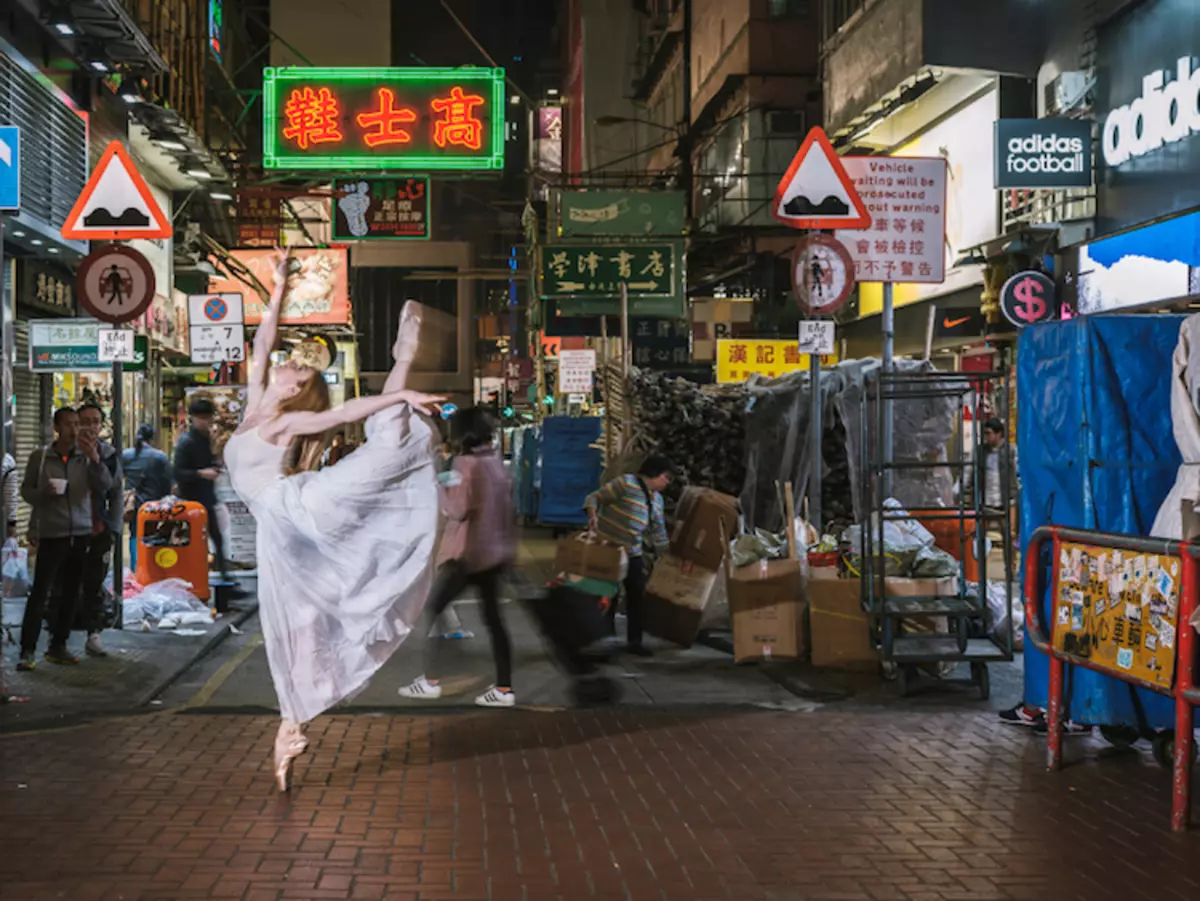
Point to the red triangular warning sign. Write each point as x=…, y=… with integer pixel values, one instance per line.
x=116, y=203
x=816, y=192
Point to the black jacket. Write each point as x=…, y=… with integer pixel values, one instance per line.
x=194, y=453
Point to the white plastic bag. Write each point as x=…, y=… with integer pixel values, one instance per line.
x=169, y=604
x=16, y=569
x=997, y=614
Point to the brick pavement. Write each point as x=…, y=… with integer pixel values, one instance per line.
x=834, y=805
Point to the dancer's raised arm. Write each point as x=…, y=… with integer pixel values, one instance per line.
x=291, y=425
x=267, y=333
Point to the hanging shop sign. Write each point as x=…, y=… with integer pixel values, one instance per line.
x=115, y=284
x=1043, y=153
x=518, y=375
x=259, y=217
x=45, y=287
x=1029, y=298
x=317, y=288
x=960, y=323
x=388, y=208
x=216, y=323
x=1119, y=609
x=575, y=371
x=586, y=279
x=73, y=345
x=1165, y=113
x=622, y=214
x=907, y=199
x=822, y=274
x=739, y=359
x=116, y=203
x=406, y=119
x=660, y=344
x=816, y=191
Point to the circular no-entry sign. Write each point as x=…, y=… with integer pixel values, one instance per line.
x=822, y=274
x=115, y=284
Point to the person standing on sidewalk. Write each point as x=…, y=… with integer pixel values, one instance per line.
x=147, y=479
x=478, y=547
x=60, y=480
x=196, y=472
x=107, y=520
x=629, y=511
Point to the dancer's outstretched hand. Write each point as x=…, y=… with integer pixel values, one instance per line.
x=426, y=403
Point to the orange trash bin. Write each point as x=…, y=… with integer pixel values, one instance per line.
x=172, y=539
x=946, y=538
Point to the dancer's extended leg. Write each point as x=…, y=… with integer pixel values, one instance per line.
x=404, y=351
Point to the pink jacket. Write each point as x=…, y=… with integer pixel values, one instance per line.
x=477, y=502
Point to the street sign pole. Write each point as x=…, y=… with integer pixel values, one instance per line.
x=889, y=338
x=118, y=425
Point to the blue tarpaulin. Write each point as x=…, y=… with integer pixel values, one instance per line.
x=571, y=469
x=1096, y=451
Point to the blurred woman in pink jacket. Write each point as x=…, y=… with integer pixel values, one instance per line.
x=478, y=546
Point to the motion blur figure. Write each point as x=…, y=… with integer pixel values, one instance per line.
x=478, y=547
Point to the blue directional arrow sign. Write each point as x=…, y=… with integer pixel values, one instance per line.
x=10, y=167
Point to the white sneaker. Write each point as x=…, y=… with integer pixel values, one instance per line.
x=92, y=646
x=421, y=690
x=494, y=697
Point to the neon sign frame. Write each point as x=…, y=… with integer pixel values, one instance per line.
x=486, y=82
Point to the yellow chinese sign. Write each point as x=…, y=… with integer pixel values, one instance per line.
x=1120, y=609
x=738, y=359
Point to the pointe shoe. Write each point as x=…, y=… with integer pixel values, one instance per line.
x=290, y=743
x=408, y=333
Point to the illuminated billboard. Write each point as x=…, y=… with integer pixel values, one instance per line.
x=411, y=119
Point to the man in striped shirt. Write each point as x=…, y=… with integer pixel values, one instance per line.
x=629, y=511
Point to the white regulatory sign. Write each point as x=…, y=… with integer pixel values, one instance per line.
x=218, y=343
x=115, y=345
x=816, y=337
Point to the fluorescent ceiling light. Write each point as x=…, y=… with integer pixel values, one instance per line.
x=220, y=195
x=198, y=173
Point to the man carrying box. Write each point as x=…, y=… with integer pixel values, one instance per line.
x=628, y=511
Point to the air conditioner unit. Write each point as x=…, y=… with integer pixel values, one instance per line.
x=1065, y=92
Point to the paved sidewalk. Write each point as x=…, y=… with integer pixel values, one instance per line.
x=635, y=805
x=139, y=665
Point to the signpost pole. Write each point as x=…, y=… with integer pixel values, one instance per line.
x=625, y=340
x=118, y=425
x=814, y=443
x=889, y=338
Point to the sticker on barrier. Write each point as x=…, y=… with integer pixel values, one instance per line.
x=1119, y=609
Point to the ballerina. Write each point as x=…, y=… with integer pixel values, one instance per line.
x=345, y=553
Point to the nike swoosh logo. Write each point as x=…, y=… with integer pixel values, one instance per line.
x=951, y=323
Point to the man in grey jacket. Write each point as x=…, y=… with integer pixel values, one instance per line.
x=60, y=480
x=108, y=513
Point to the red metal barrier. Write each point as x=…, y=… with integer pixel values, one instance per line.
x=1183, y=689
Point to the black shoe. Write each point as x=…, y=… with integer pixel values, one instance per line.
x=640, y=650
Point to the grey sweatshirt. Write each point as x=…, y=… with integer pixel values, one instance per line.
x=68, y=515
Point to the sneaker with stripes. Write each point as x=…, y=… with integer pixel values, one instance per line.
x=421, y=690
x=497, y=697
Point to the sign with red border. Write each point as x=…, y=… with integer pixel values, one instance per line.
x=822, y=274
x=816, y=192
x=116, y=203
x=115, y=284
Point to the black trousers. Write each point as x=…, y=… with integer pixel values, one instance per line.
x=214, y=532
x=95, y=567
x=635, y=601
x=452, y=580
x=60, y=561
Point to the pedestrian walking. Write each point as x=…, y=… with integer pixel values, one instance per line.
x=345, y=553
x=107, y=521
x=147, y=479
x=478, y=547
x=60, y=480
x=628, y=511
x=197, y=470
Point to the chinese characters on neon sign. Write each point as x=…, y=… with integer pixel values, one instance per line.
x=404, y=119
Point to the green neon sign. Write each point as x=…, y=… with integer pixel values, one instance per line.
x=401, y=119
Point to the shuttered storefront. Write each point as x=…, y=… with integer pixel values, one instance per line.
x=30, y=424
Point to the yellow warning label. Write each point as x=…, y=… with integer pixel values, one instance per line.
x=166, y=557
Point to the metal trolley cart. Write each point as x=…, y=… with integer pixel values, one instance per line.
x=1120, y=606
x=948, y=627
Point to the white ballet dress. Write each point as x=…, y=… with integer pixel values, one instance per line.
x=345, y=556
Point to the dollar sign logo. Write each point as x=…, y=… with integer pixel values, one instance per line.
x=1030, y=307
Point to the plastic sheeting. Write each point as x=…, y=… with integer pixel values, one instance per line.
x=1097, y=452
x=570, y=469
x=777, y=450
x=526, y=451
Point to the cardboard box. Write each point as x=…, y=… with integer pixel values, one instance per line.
x=766, y=604
x=677, y=602
x=841, y=633
x=896, y=587
x=586, y=555
x=705, y=522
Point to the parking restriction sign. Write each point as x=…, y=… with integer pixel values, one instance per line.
x=217, y=328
